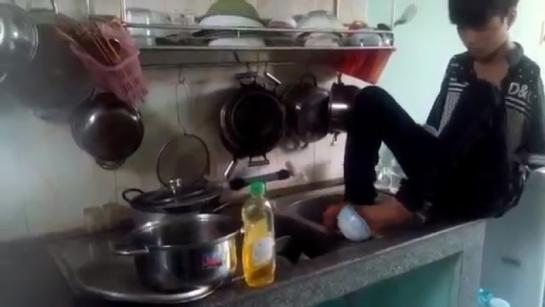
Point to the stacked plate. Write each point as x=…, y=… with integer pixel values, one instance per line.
x=320, y=20
x=232, y=14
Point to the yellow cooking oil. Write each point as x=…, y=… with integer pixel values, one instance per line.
x=258, y=249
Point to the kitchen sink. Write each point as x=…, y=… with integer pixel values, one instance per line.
x=298, y=224
x=312, y=210
x=299, y=218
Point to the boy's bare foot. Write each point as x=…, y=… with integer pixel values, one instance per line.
x=385, y=215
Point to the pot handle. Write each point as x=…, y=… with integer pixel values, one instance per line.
x=125, y=249
x=126, y=193
x=261, y=162
x=230, y=168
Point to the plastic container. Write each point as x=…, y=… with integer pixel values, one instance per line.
x=352, y=225
x=125, y=79
x=258, y=249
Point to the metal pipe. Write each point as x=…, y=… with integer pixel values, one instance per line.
x=90, y=7
x=123, y=10
x=337, y=8
x=213, y=65
x=180, y=27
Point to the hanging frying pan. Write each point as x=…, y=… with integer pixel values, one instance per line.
x=253, y=123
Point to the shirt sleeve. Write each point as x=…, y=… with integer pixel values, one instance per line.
x=536, y=140
x=434, y=118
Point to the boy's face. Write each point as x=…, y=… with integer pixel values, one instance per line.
x=483, y=41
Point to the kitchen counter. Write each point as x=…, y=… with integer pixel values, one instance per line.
x=30, y=276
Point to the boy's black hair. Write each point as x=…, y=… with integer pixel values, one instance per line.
x=475, y=13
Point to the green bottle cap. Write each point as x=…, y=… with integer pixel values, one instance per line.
x=257, y=189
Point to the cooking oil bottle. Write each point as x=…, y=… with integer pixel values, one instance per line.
x=258, y=250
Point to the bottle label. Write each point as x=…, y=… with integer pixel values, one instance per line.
x=263, y=251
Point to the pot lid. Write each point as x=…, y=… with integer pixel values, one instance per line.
x=177, y=199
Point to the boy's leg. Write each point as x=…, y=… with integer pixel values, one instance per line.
x=456, y=173
x=377, y=118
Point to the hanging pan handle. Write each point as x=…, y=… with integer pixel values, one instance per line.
x=305, y=78
x=230, y=168
x=262, y=162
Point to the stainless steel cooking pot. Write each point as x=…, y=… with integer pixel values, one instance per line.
x=190, y=251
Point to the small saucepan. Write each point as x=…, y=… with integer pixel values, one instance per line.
x=187, y=252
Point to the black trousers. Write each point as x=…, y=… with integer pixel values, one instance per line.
x=462, y=173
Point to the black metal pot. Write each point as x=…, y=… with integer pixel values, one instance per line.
x=191, y=251
x=307, y=106
x=108, y=129
x=252, y=124
x=342, y=99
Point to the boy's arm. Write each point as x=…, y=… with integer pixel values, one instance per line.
x=536, y=141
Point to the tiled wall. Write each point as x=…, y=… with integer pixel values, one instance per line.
x=46, y=180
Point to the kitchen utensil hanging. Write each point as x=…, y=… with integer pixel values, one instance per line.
x=59, y=81
x=109, y=53
x=19, y=38
x=108, y=129
x=342, y=99
x=307, y=106
x=185, y=157
x=252, y=123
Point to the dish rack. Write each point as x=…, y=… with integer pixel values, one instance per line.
x=283, y=47
x=188, y=45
